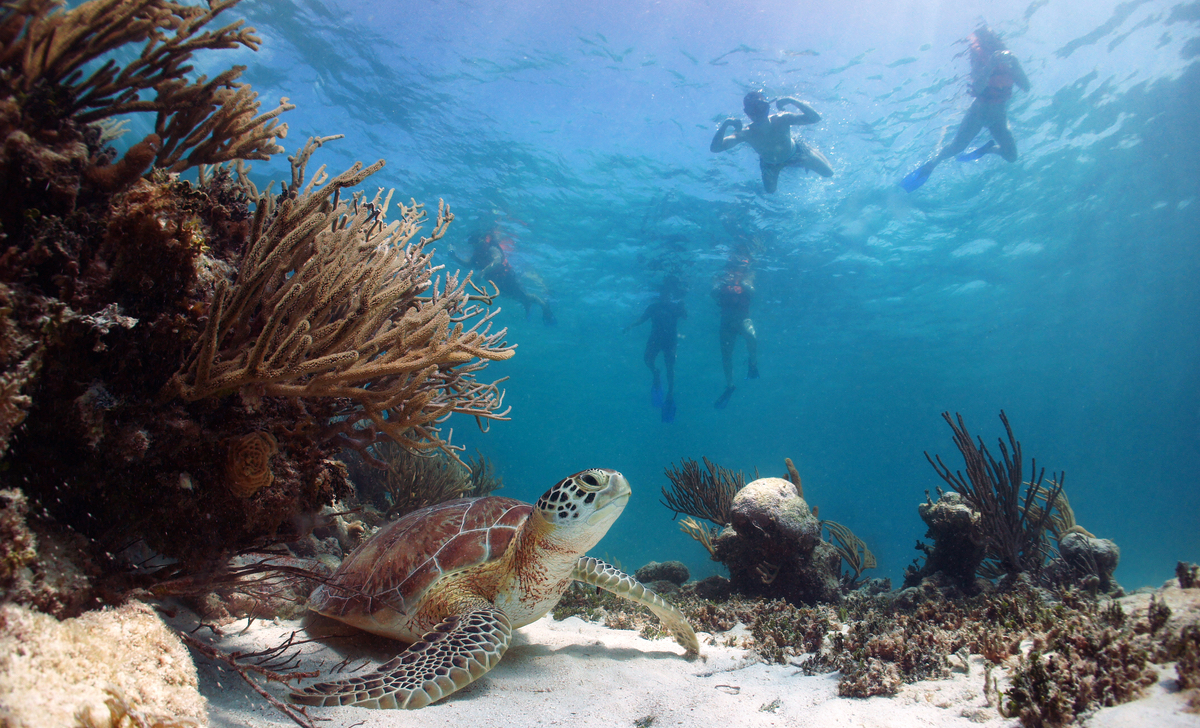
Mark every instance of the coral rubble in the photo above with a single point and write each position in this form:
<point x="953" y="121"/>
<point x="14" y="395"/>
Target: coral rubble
<point x="95" y="670"/>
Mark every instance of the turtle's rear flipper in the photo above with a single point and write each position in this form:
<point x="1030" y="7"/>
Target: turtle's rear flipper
<point x="456" y="653"/>
<point x="597" y="573"/>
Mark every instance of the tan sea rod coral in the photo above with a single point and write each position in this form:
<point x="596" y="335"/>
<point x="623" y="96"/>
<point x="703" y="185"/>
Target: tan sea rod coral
<point x="333" y="301"/>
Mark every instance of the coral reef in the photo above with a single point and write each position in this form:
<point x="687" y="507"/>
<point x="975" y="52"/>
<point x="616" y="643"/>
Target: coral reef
<point x="706" y="494"/>
<point x="773" y="546"/>
<point x="1187" y="574"/>
<point x="332" y="302"/>
<point x="958" y="543"/>
<point x="675" y="572"/>
<point x="995" y="524"/>
<point x="95" y="670"/>
<point x="42" y="565"/>
<point x="180" y="362"/>
<point x="248" y="463"/>
<point x="1012" y="521"/>
<point x="766" y="535"/>
<point x="1063" y="653"/>
<point x="409" y="481"/>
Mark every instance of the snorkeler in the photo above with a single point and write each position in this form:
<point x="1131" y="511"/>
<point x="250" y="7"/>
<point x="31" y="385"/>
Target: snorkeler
<point x="771" y="136"/>
<point x="994" y="71"/>
<point x="663" y="314"/>
<point x="733" y="289"/>
<point x="489" y="258"/>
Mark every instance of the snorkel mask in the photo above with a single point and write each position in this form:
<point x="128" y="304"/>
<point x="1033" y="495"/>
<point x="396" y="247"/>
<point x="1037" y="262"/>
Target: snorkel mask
<point x="756" y="104"/>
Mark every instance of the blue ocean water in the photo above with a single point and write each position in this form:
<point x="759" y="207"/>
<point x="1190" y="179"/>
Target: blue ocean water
<point x="1061" y="289"/>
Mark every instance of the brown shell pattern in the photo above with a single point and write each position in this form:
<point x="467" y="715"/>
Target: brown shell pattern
<point x="398" y="565"/>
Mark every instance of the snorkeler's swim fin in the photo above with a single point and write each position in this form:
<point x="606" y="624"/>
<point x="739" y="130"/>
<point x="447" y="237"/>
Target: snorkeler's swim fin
<point x="668" y="410"/>
<point x="724" y="398"/>
<point x="656" y="395"/>
<point x="976" y="153"/>
<point x="917" y="177"/>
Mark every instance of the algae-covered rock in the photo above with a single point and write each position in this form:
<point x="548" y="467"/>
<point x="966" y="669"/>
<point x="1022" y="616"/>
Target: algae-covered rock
<point x="773" y="547"/>
<point x="675" y="572"/>
<point x="94" y="670"/>
<point x="1091" y="561"/>
<point x="958" y="544"/>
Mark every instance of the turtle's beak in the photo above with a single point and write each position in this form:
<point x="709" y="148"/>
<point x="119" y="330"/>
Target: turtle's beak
<point x="611" y="501"/>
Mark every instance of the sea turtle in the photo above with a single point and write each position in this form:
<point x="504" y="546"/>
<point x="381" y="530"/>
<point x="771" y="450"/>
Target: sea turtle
<point x="456" y="579"/>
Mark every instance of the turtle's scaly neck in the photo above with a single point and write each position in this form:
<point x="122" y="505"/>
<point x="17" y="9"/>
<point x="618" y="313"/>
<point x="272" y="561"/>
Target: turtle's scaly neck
<point x="541" y="559"/>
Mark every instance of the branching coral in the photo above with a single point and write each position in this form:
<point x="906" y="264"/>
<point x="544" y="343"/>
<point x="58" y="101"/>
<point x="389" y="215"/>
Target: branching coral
<point x="396" y="481"/>
<point x="706" y="494"/>
<point x="334" y="302"/>
<point x="853" y="550"/>
<point x="47" y="50"/>
<point x="702" y="533"/>
<point x="1014" y="523"/>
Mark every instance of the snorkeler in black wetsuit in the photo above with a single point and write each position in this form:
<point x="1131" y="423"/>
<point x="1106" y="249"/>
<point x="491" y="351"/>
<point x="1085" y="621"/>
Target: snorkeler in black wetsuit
<point x="771" y="136"/>
<point x="663" y="314"/>
<point x="489" y="259"/>
<point x="733" y="291"/>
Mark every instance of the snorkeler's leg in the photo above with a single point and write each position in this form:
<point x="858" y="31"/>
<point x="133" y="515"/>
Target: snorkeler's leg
<point x="751" y="337"/>
<point x="669" y="365"/>
<point x="547" y="315"/>
<point x="668" y="406"/>
<point x="656" y="392"/>
<point x="1006" y="145"/>
<point x="810" y="158"/>
<point x="728" y="334"/>
<point x="770" y="176"/>
<point x="967" y="131"/>
<point x="970" y="126"/>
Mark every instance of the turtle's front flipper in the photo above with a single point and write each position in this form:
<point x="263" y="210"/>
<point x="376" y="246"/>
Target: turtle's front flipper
<point x="597" y="573"/>
<point x="457" y="652"/>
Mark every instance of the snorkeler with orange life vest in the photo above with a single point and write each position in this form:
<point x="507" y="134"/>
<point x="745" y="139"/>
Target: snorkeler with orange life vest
<point x="994" y="72"/>
<point x="733" y="290"/>
<point x="490" y="259"/>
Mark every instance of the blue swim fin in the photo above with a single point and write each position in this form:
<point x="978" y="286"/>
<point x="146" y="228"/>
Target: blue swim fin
<point x="976" y="153"/>
<point x="724" y="398"/>
<point x="668" y="410"/>
<point x="656" y="396"/>
<point x="656" y="392"/>
<point x="917" y="177"/>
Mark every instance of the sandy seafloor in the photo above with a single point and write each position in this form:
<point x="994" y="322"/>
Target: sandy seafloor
<point x="577" y="673"/>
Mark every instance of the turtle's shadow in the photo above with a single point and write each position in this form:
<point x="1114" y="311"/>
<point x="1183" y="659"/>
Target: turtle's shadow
<point x="355" y="645"/>
<point x="526" y="650"/>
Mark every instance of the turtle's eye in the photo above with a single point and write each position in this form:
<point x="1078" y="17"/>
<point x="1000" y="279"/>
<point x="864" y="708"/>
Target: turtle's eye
<point x="590" y="480"/>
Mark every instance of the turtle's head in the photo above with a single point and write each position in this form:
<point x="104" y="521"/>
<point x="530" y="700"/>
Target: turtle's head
<point x="587" y="501"/>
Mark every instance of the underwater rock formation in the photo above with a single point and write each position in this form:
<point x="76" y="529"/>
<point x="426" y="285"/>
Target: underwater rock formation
<point x="1085" y="561"/>
<point x="675" y="572"/>
<point x="42" y="565"/>
<point x="958" y="543"/>
<point x="773" y="546"/>
<point x="95" y="670"/>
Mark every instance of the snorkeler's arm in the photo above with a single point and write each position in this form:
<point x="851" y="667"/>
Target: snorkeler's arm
<point x="720" y="142"/>
<point x="454" y="254"/>
<point x="495" y="262"/>
<point x="807" y="115"/>
<point x="1018" y="73"/>
<point x="641" y="320"/>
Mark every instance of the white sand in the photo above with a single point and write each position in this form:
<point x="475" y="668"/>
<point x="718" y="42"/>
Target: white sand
<point x="575" y="673"/>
